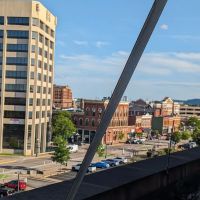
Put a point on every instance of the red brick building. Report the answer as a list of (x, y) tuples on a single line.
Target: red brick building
[(62, 97), (88, 121)]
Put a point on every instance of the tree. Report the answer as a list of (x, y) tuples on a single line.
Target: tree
[(121, 136), (176, 137), (185, 135), (62, 125), (194, 122), (101, 150), (61, 153), (196, 135)]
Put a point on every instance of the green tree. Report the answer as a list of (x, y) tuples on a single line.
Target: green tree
[(196, 135), (185, 135), (121, 136), (101, 150), (176, 137), (61, 153), (194, 122), (62, 125)]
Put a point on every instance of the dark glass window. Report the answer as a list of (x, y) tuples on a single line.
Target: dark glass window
[(41, 25), (1, 47), (41, 38), (39, 77), (51, 56), (17, 47), (35, 22), (1, 60), (16, 74), (15, 87), (45, 78), (30, 102), (46, 42), (45, 66), (14, 114), (40, 51), (34, 35), (1, 33), (51, 45), (15, 101), (39, 63), (18, 34), (38, 89), (1, 20), (37, 114), (45, 54), (13, 136), (18, 21), (47, 29), (52, 33), (17, 61)]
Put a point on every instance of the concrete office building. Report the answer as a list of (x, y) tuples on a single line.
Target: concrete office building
[(27, 40)]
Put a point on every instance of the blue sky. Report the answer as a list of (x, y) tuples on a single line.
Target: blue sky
[(94, 39)]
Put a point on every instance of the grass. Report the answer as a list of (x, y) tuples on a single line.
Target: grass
[(3, 176), (10, 154)]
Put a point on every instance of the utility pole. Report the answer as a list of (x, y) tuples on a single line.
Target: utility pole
[(119, 90)]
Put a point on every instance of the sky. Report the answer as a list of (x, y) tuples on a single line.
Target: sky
[(94, 39)]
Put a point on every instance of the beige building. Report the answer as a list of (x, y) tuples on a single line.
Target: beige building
[(27, 42), (187, 111)]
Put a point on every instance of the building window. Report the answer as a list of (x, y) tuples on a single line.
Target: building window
[(45, 66), (40, 51), (44, 90), (33, 48), (45, 78), (38, 89), (50, 68), (15, 101), (34, 35), (1, 47), (93, 122), (38, 102), (41, 38), (16, 74), (29, 137), (17, 61), (30, 115), (17, 47), (51, 45), (18, 21), (32, 62), (39, 77), (46, 42), (14, 114), (35, 22), (50, 79), (43, 114), (37, 114), (45, 54), (1, 33), (80, 121), (52, 33), (32, 75), (39, 63), (47, 29), (51, 56), (31, 88), (49, 92), (86, 122), (49, 102), (15, 87), (41, 25), (30, 102), (1, 20), (43, 102), (18, 34)]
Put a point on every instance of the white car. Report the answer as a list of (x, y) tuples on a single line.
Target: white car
[(91, 168), (121, 160), (72, 148)]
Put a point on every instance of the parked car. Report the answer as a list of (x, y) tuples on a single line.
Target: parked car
[(111, 162), (91, 168), (14, 184), (72, 148), (4, 192), (188, 145), (121, 160), (102, 165)]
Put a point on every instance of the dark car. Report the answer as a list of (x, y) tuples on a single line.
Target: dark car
[(14, 184), (4, 192)]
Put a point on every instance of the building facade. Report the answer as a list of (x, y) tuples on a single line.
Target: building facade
[(187, 111), (87, 121), (62, 97), (27, 42)]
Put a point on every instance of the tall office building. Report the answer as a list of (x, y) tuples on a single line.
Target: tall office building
[(27, 41)]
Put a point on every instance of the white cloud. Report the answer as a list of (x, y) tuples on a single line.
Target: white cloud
[(175, 71), (81, 43), (164, 27), (100, 44)]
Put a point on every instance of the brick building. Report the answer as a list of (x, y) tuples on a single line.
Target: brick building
[(62, 97), (166, 116), (88, 121)]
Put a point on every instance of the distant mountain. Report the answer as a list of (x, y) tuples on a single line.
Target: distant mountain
[(189, 101)]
